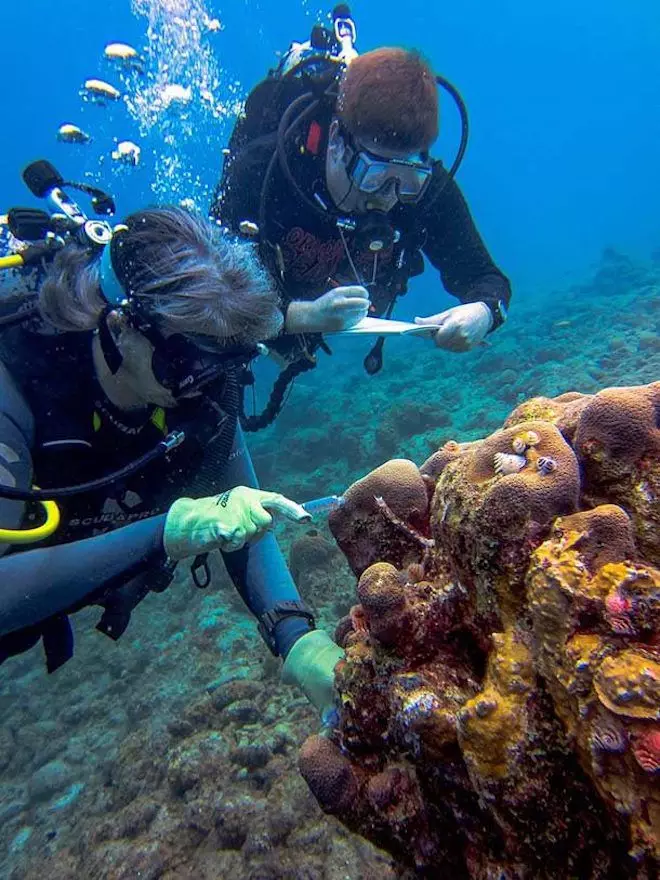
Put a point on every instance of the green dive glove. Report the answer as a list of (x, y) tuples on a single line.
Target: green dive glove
[(310, 664), (224, 522)]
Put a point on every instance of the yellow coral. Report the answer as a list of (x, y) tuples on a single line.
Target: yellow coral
[(536, 409), (584, 651), (628, 684), (604, 691), (493, 723), (573, 669)]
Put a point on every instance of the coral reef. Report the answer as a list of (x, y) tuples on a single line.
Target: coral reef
[(500, 696)]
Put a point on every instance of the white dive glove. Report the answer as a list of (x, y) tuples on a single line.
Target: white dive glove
[(462, 327), (338, 309), (224, 522), (310, 665)]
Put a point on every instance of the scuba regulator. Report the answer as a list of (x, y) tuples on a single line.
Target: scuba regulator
[(48, 231), (65, 219)]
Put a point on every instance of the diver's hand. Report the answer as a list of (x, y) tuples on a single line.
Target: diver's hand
[(338, 309), (462, 327), (310, 665), (224, 522)]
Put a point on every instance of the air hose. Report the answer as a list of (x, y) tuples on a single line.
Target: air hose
[(38, 533), (167, 445), (276, 400), (13, 261)]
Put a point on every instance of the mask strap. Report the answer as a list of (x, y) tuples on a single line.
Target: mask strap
[(112, 289), (113, 292), (111, 353)]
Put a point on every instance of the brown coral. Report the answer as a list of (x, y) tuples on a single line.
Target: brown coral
[(329, 774), (500, 699), (362, 530), (383, 599), (488, 523), (617, 428), (618, 443), (563, 411)]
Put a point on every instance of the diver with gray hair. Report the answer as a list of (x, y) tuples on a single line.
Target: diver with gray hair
[(119, 398)]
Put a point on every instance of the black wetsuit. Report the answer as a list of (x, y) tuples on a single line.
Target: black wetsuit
[(304, 249), (57, 428)]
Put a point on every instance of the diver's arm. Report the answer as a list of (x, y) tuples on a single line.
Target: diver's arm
[(263, 581), (37, 584), (456, 249), (259, 571)]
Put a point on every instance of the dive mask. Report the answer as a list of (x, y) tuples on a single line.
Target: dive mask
[(370, 173), (187, 364), (182, 363)]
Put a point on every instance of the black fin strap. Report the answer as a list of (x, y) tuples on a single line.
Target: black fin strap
[(119, 604), (57, 638)]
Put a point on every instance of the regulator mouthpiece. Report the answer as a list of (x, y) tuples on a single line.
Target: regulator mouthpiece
[(41, 177)]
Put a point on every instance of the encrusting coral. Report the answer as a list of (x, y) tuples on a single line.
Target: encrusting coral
[(500, 696)]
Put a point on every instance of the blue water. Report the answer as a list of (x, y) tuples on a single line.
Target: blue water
[(563, 102), (562, 163)]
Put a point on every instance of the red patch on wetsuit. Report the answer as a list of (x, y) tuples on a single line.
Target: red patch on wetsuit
[(313, 143)]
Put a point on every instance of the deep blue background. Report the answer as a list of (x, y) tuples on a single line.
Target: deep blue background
[(563, 99)]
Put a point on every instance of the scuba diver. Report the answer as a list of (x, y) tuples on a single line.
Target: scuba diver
[(120, 369), (329, 169)]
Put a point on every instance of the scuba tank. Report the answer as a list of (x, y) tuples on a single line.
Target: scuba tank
[(325, 46)]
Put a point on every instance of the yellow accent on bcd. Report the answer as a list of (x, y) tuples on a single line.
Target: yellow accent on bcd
[(38, 533)]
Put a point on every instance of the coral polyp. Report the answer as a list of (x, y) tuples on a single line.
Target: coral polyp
[(546, 465), (524, 441), (646, 749), (505, 463)]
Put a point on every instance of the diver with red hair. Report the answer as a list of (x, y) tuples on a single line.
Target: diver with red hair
[(329, 168)]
